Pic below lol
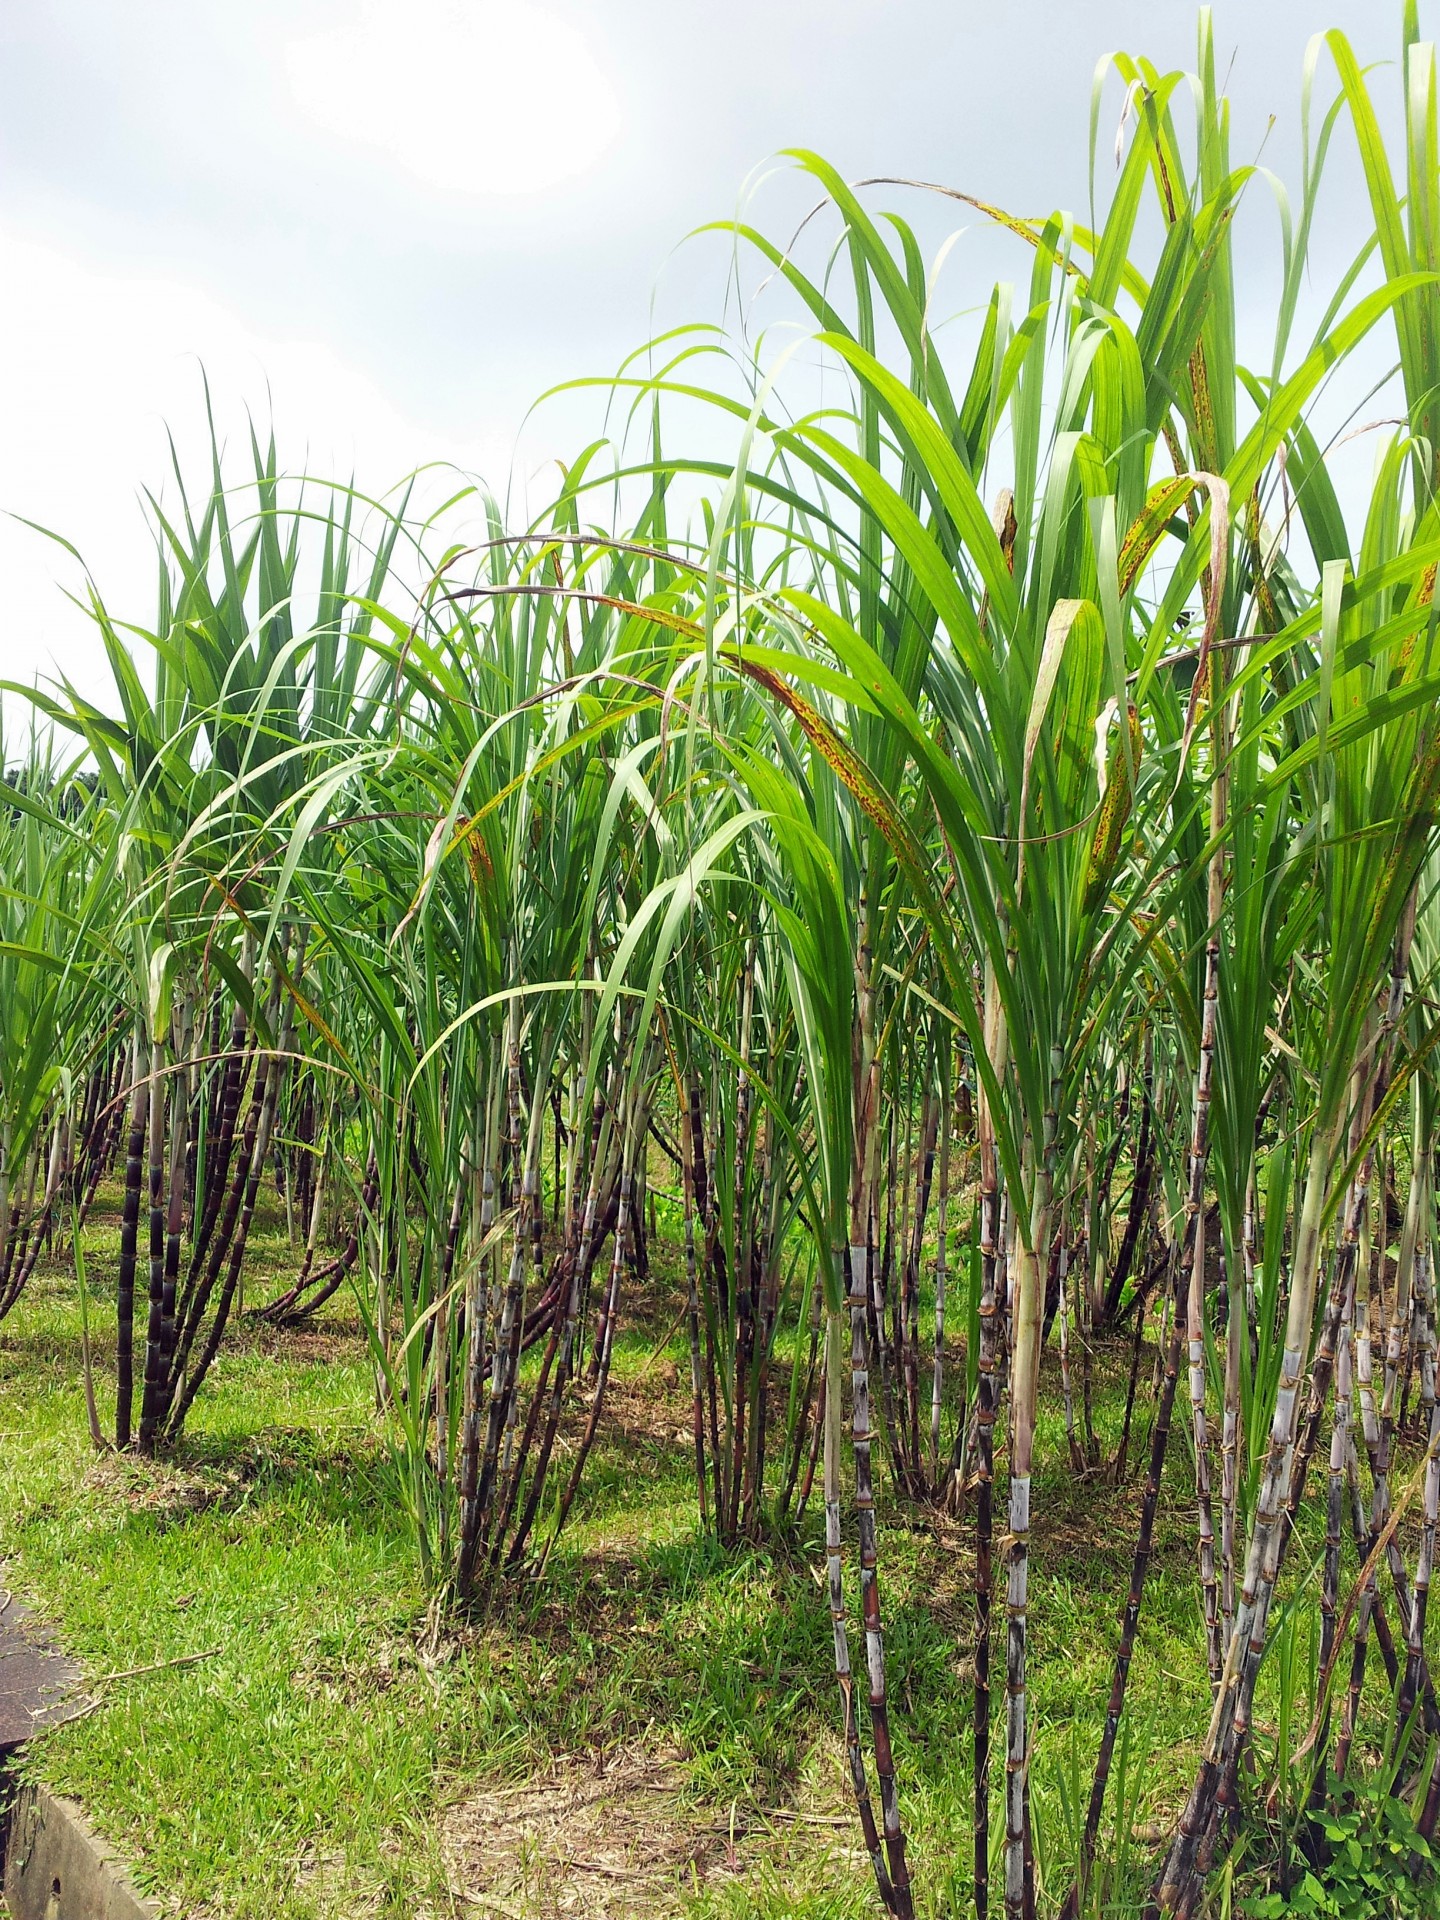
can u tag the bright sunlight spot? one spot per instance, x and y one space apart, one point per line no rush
483 98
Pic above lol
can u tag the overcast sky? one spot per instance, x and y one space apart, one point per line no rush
405 218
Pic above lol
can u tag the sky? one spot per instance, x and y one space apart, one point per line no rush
390 225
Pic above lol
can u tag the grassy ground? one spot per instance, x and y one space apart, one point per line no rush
651 1727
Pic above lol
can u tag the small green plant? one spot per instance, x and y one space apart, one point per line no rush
1372 1863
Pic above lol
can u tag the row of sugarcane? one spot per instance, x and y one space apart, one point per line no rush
1023 912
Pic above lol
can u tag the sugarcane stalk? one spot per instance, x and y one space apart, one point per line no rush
129 1235
182 1107
691 1150
1430 1412
805 1453
860 1259
1194 1254
942 1256
1067 1388
1175 1880
1283 1476
477 1301
602 1375
506 1355
1377 1450
835 1586
1125 1653
1029 1311
581 1264
160 1093
1341 1453
1140 1185
861 1441
987 1395
930 1112
744 1249
185 1381
1236 1324
220 1147
766 1256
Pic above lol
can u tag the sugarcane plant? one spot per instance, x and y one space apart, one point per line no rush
957 875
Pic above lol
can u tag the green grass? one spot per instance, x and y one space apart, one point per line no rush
306 1765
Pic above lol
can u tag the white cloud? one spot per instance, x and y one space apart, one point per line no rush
475 96
93 368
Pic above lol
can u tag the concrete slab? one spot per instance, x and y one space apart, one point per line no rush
52 1865
56 1868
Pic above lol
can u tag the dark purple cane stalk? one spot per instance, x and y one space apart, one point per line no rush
910 1287
1139 1190
1067 1385
37 1215
473 1395
942 1254
1380 1436
1236 1324
621 1255
96 1084
1214 1794
1090 1442
220 1147
182 1113
857 1270
835 1585
511 1458
1193 1256
313 1289
861 1441
129 1235
692 1150
865 1226
702 1161
1377 1448
885 1303
1341 1452
505 1360
744 1248
104 1143
439 1348
1160 1269
540 1399
1277 1541
1364 1544
1028 1259
154 1362
805 1440
986 1403
185 1380
1125 1653
311 1206
767 1260
1430 1411
570 1294
1350 1712
1430 1812
1284 1477
581 1262
198 1294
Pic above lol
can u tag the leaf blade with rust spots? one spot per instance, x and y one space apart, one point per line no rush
1115 811
1161 503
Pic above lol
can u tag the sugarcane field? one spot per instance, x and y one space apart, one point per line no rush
718 1155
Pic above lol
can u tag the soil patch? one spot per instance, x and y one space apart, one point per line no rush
606 1836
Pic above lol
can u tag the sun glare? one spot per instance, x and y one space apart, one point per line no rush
481 99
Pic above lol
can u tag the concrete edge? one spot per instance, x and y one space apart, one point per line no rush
58 1868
